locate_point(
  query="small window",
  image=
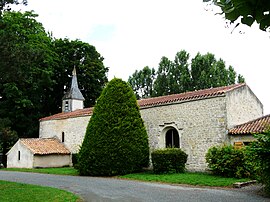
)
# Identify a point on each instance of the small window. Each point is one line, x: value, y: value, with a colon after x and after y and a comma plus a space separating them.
x: 172, y: 138
x: 66, y: 105
x: 19, y: 155
x: 63, y: 136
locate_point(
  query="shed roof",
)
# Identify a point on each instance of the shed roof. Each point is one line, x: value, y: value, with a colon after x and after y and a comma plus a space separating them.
x: 156, y: 101
x: 44, y: 146
x: 258, y: 125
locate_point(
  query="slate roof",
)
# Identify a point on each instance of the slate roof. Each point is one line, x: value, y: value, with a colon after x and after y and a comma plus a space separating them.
x: 258, y: 125
x: 156, y: 101
x: 74, y: 91
x: 44, y: 146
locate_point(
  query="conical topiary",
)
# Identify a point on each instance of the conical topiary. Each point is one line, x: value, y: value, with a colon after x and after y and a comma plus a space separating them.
x: 116, y: 141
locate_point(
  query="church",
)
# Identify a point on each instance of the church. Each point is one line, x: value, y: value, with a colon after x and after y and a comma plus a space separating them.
x: 193, y: 121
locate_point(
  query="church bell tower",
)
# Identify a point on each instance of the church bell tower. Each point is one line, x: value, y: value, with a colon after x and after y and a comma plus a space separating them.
x: 73, y: 98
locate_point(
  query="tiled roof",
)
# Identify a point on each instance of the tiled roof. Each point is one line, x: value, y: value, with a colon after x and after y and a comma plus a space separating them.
x: 43, y: 146
x: 193, y: 95
x: 150, y: 102
x: 65, y: 115
x: 255, y: 126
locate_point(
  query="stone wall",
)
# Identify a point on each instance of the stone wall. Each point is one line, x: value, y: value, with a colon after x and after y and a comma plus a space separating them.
x: 72, y: 128
x: 242, y: 106
x: 53, y: 160
x: 26, y: 157
x: 200, y: 124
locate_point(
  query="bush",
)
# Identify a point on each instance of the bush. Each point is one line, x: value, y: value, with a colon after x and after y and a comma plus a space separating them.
x: 75, y: 160
x: 116, y: 141
x: 169, y: 160
x: 261, y: 151
x: 230, y: 162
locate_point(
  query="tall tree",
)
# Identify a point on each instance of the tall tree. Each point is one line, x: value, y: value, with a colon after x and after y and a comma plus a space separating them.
x: 142, y: 82
x: 25, y: 71
x: 34, y: 68
x: 116, y: 140
x: 181, y: 71
x: 248, y: 11
x: 91, y: 72
x: 178, y: 76
x: 162, y: 83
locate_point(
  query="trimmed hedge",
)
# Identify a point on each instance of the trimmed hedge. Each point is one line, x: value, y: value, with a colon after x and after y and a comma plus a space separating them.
x: 228, y: 161
x: 169, y: 160
x: 116, y: 141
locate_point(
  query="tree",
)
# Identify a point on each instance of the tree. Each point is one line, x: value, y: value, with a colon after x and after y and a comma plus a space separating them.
x: 35, y: 68
x: 5, y: 4
x: 115, y: 141
x: 92, y: 74
x: 248, y: 11
x: 162, y: 83
x: 142, y: 82
x: 26, y: 66
x: 7, y: 138
x: 178, y: 76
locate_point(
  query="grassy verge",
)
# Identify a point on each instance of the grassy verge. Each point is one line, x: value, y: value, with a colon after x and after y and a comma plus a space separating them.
x: 201, y: 179
x: 57, y: 171
x: 11, y: 191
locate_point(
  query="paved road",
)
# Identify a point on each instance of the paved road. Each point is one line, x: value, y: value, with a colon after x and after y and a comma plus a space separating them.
x: 96, y: 189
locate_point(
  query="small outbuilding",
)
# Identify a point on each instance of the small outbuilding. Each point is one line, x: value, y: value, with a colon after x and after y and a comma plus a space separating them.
x: 38, y: 153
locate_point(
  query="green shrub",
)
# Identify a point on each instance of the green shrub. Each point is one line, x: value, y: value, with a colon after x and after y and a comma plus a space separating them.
x: 261, y: 151
x: 230, y: 162
x: 75, y: 160
x: 116, y: 141
x: 169, y: 160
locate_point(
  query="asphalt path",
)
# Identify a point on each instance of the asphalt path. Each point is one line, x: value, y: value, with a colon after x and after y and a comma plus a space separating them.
x: 97, y: 189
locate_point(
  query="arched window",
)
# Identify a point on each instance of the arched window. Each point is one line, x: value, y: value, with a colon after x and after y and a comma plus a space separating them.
x: 172, y: 138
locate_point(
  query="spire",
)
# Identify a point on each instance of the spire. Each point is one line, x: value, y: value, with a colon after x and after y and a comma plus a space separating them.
x: 74, y: 91
x: 73, y: 98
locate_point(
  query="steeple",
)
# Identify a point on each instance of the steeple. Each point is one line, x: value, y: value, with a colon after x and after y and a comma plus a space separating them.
x: 73, y: 98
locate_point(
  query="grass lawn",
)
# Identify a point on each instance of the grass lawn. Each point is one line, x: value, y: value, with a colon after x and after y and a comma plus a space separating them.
x: 11, y: 191
x: 201, y: 179
x: 57, y: 171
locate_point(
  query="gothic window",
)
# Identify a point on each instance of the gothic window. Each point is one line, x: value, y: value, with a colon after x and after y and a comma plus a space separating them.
x: 66, y: 105
x: 63, y: 136
x: 172, y: 138
x: 19, y: 155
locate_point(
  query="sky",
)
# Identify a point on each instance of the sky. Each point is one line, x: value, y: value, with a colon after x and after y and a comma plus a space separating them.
x: 133, y: 34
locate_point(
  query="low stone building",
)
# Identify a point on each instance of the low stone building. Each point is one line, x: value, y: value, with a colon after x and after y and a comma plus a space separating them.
x: 193, y: 121
x: 38, y: 152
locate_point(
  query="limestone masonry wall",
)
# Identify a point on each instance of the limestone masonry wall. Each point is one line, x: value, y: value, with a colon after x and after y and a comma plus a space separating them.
x: 73, y: 129
x: 200, y: 124
x: 242, y: 106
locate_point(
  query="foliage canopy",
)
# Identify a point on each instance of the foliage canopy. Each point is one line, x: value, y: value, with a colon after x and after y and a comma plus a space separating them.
x: 116, y: 141
x: 248, y: 11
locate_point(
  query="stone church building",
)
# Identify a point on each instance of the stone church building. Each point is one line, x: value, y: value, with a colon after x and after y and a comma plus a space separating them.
x: 193, y: 121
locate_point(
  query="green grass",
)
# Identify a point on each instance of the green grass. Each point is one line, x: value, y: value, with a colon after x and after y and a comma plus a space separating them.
x: 11, y: 191
x: 201, y: 179
x: 57, y: 171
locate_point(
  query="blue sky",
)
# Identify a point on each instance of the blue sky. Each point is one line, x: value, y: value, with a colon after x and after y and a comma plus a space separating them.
x: 133, y: 34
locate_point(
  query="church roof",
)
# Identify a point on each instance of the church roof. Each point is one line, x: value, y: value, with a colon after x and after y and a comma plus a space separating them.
x: 74, y: 91
x: 43, y: 146
x: 73, y: 114
x: 193, y: 95
x: 258, y: 125
x: 156, y: 101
